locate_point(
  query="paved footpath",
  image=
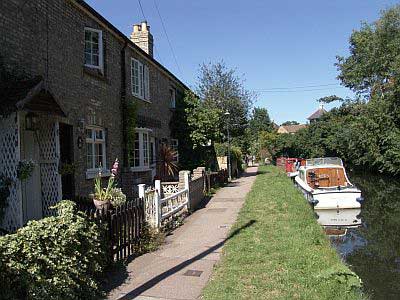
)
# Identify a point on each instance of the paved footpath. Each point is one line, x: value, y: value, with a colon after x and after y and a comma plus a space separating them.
x: 182, y: 266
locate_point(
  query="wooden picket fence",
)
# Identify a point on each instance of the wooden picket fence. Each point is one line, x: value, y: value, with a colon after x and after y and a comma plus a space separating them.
x: 213, y: 179
x: 124, y: 226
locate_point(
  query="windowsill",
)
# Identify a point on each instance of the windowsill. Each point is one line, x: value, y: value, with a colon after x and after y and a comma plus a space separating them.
x: 94, y: 72
x: 141, y: 99
x: 140, y: 169
x: 92, y: 173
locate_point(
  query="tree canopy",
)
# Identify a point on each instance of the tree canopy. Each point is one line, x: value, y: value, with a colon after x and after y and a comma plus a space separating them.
x: 220, y: 100
x: 290, y: 123
x: 260, y: 120
x: 373, y: 67
x: 366, y: 130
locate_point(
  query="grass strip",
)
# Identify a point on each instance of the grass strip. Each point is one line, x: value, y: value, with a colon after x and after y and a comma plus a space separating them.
x: 283, y: 253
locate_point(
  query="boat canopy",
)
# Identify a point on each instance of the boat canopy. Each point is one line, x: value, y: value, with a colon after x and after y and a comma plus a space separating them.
x: 324, y: 161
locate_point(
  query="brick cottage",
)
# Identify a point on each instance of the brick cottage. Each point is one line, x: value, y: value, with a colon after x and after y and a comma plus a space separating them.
x: 70, y: 78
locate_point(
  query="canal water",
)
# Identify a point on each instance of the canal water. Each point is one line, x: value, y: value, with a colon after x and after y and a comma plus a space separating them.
x: 369, y: 239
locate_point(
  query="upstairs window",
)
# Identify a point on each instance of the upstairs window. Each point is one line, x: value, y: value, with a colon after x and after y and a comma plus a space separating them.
x: 172, y: 98
x: 140, y: 80
x: 93, y: 48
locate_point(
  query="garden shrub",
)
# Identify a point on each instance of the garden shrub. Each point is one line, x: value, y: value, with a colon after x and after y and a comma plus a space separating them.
x: 58, y: 257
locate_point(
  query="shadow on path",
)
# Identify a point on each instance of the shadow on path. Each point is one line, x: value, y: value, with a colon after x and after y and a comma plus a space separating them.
x: 152, y: 282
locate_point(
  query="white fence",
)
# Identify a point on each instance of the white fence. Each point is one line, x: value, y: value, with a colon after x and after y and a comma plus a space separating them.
x: 158, y: 209
x: 169, y: 188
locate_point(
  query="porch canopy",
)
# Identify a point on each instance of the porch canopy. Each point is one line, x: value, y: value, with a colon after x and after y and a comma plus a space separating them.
x: 28, y: 95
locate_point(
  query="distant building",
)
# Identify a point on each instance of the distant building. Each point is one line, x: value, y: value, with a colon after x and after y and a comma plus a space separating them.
x: 291, y: 128
x: 317, y: 114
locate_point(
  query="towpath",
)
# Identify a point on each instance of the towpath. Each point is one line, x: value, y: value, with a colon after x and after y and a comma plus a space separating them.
x: 182, y: 266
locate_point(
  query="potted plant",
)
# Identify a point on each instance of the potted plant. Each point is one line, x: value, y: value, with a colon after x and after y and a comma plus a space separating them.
x: 104, y: 197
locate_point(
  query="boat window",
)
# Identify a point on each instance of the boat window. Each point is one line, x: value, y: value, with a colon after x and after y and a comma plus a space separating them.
x: 324, y: 161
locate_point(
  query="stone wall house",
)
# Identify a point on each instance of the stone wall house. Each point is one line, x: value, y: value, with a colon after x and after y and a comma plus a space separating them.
x: 70, y: 75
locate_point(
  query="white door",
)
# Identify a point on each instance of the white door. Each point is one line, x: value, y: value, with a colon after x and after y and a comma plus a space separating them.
x: 31, y: 187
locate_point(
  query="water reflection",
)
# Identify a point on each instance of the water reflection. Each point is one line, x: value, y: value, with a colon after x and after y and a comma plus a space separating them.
x: 370, y: 242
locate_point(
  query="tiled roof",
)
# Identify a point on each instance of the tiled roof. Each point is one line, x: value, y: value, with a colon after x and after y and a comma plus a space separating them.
x: 28, y: 95
x: 317, y: 114
x: 293, y: 128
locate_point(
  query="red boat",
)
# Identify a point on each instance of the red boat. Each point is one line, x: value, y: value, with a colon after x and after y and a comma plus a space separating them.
x: 289, y: 163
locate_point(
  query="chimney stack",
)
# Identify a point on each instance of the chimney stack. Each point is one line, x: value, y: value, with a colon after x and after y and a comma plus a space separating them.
x: 142, y: 37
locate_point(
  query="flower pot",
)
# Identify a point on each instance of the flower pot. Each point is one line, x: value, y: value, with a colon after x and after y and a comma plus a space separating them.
x: 102, y: 204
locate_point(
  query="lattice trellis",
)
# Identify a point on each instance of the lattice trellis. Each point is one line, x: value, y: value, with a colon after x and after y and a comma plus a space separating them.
x: 9, y: 158
x: 49, y: 158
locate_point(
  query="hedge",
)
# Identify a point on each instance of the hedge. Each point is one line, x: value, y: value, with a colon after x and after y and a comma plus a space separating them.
x: 59, y: 257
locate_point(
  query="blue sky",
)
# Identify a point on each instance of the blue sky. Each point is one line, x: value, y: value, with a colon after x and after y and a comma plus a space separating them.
x: 273, y: 44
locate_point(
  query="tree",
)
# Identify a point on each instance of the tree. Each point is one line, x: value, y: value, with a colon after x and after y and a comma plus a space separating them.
x: 290, y: 123
x: 260, y: 121
x: 373, y: 67
x: 223, y: 91
x: 219, y: 91
x: 330, y: 99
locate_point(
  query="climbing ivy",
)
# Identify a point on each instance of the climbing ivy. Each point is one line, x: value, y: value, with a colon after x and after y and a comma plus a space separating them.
x: 131, y: 113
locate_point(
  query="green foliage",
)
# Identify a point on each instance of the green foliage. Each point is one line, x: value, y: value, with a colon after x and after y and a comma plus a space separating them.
x: 25, y: 169
x: 204, y: 121
x: 117, y: 197
x: 189, y: 156
x: 366, y: 131
x: 221, y: 149
x: 169, y: 166
x: 330, y: 99
x: 290, y: 123
x: 372, y: 69
x: 220, y: 88
x: 150, y: 240
x: 259, y: 125
x: 260, y: 121
x: 131, y: 113
x: 5, y: 184
x: 57, y: 257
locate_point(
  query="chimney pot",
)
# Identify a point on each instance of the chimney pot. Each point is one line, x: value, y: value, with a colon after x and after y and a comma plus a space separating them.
x: 144, y: 26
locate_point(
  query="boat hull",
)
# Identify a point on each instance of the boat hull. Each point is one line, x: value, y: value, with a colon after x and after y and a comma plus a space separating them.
x: 332, y: 198
x: 337, y: 199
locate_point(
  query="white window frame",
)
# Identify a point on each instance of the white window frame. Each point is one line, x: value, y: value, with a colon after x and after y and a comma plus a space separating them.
x: 172, y: 100
x: 144, y: 138
x: 93, y: 172
x: 140, y: 80
x: 101, y: 58
x: 175, y: 147
x: 153, y: 148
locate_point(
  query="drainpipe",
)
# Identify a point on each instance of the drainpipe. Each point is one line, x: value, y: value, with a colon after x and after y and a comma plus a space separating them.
x: 124, y: 108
